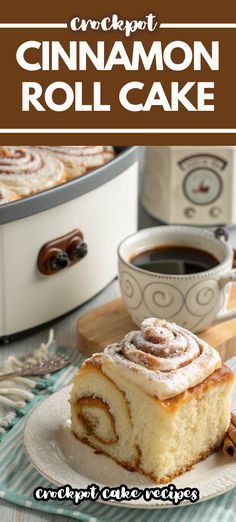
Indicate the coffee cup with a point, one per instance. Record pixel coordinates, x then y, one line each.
192 300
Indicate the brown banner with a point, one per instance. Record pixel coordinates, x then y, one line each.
91 87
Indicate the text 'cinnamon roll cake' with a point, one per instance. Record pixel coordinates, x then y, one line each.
157 403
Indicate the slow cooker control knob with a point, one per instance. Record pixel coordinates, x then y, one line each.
189 212
62 252
58 261
78 250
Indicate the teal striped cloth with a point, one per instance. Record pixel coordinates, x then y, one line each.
18 479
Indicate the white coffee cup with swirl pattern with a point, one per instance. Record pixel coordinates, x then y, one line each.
194 301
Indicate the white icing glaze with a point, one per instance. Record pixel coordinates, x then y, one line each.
162 358
26 170
6 195
79 159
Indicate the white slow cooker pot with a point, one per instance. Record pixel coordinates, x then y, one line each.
100 206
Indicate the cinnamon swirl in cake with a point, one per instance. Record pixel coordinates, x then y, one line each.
81 159
157 403
26 170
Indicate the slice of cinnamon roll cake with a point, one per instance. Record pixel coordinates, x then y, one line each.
157 403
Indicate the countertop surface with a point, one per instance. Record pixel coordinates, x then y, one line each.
65 332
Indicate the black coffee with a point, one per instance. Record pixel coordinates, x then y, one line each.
174 260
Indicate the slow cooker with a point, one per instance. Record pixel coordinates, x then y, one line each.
190 185
58 247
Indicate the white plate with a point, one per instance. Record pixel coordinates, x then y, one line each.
62 459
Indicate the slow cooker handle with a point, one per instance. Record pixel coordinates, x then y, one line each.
62 252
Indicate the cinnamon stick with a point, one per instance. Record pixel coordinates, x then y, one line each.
233 419
229 447
232 433
229 443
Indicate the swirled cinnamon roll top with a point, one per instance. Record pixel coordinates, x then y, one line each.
26 170
163 358
79 159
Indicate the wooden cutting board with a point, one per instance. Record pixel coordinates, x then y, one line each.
110 322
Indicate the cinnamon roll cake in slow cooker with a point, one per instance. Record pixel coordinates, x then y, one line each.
157 403
80 159
7 195
26 170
